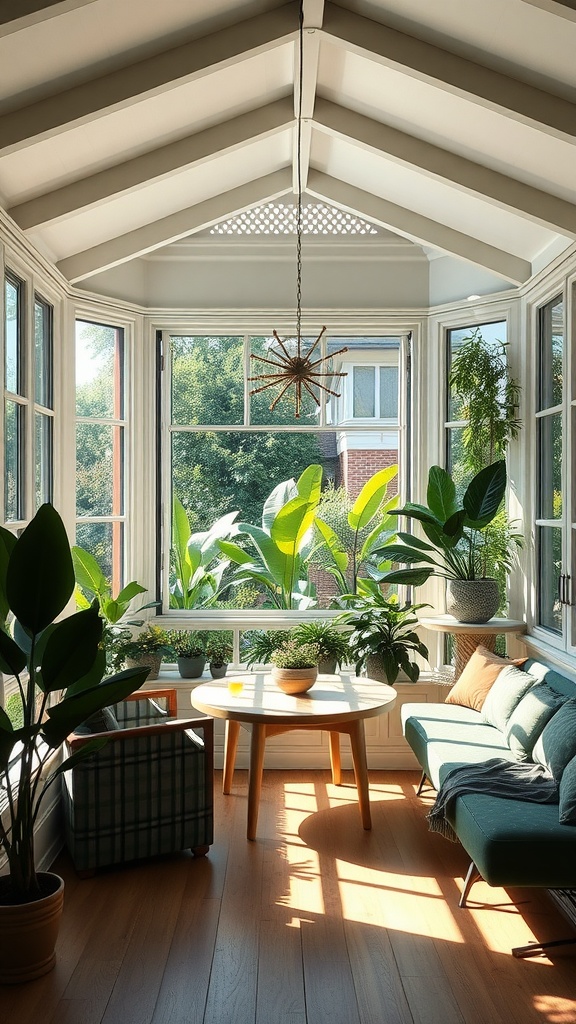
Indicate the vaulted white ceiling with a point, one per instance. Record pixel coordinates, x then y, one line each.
128 124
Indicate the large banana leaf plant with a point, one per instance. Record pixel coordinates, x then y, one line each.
283 544
197 559
367 553
455 530
58 666
92 583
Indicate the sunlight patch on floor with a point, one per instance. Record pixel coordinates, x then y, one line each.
555 1009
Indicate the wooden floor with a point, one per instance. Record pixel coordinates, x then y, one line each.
317 922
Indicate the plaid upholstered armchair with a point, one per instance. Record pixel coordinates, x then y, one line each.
148 791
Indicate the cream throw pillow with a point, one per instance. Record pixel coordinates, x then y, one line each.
479 674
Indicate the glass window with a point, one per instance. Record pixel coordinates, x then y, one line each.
551 533
364 394
13 333
100 446
389 392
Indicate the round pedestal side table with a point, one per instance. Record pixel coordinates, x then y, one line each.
468 635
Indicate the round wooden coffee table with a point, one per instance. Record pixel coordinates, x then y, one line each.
336 704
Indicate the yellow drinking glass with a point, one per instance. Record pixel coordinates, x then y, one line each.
235 686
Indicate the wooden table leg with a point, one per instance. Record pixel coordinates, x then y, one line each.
358 744
335 761
257 746
231 735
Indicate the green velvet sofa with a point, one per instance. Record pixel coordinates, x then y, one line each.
510 842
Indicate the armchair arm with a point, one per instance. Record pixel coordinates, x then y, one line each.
120 735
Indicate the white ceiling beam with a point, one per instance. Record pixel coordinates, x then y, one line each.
560 8
163 162
418 228
169 229
313 13
18 14
151 77
502 191
430 64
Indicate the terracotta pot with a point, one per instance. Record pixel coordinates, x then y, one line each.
28 933
294 680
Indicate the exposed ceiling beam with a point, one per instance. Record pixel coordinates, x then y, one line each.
505 192
561 8
419 228
428 63
177 225
159 163
165 71
313 13
18 14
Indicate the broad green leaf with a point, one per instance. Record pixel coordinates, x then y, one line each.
410 577
291 524
40 576
234 552
88 573
441 494
71 650
92 677
415 542
273 559
80 599
373 542
12 658
71 711
370 498
484 495
407 555
309 483
8 740
333 543
7 543
112 610
280 496
180 528
129 592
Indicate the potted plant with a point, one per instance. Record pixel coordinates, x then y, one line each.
58 667
219 652
258 645
189 648
295 666
332 642
457 546
383 637
147 649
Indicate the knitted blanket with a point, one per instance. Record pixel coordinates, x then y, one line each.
519 780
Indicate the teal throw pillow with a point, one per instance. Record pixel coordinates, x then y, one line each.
556 745
510 685
568 794
529 717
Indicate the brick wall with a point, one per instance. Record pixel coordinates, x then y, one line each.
357 466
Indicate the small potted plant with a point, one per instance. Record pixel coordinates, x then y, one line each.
258 645
58 664
333 643
383 637
146 649
189 648
219 652
295 666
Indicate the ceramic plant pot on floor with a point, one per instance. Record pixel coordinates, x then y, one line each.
472 600
28 933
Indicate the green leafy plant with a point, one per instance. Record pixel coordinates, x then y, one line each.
187 643
369 528
455 530
91 583
282 544
293 654
258 645
152 641
330 641
385 628
197 560
58 667
219 647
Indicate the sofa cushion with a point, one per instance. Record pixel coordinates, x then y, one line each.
478 676
505 694
556 745
101 721
568 794
529 717
444 736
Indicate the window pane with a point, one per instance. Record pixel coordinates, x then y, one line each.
389 392
43 353
364 394
99 371
550 466
284 410
207 380
13 434
549 540
43 458
494 334
13 326
551 354
105 541
99 469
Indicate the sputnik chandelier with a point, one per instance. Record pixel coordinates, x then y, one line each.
296 369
